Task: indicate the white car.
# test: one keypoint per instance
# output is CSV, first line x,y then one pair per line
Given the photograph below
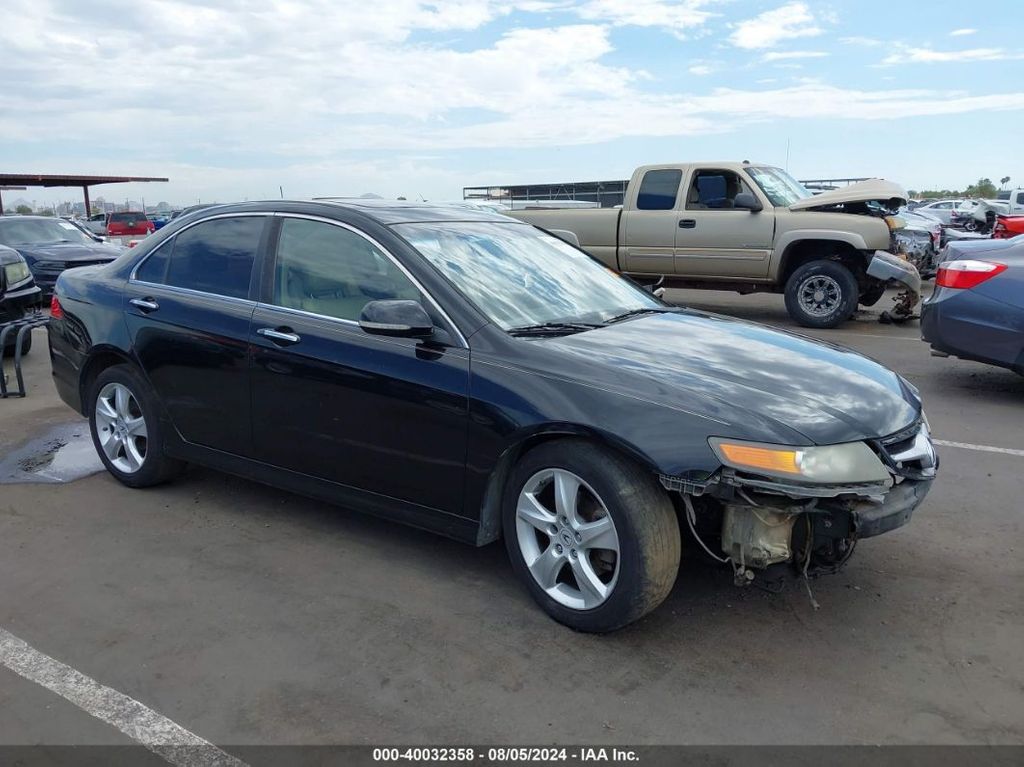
x,y
940,209
97,223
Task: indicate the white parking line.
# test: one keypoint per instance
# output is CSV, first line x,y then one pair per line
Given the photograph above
x,y
980,448
143,725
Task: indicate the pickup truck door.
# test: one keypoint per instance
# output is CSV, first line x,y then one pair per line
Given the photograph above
x,y
649,228
713,239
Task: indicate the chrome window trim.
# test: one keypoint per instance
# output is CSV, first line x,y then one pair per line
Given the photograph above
x,y
173,237
321,219
200,293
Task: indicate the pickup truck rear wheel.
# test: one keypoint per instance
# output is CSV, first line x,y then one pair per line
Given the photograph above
x,y
821,294
593,536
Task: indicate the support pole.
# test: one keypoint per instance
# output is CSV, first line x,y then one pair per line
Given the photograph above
x,y
85,192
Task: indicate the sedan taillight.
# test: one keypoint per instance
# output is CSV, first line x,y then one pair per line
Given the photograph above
x,y
967,274
56,310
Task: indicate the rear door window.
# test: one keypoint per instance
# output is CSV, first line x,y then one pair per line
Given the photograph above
x,y
215,256
658,189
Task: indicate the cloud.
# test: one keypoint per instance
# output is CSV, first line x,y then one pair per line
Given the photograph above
x,y
929,56
773,27
327,96
679,17
787,55
962,32
861,42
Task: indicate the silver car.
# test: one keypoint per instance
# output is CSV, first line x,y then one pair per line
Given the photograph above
x,y
940,209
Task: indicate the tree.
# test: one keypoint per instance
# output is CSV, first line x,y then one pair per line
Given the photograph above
x,y
1004,181
23,210
984,189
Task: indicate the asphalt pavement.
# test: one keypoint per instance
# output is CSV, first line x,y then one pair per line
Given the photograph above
x,y
246,615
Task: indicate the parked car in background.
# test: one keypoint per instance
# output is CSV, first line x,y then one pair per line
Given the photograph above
x,y
750,228
18,294
190,209
474,376
1007,227
979,215
920,239
97,223
940,209
81,226
51,245
129,224
976,311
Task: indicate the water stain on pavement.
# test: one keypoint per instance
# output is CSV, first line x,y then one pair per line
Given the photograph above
x,y
65,453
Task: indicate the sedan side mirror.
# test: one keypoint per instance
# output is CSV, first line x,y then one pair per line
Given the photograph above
x,y
407,319
747,201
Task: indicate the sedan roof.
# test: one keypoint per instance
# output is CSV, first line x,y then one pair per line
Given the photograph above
x,y
399,211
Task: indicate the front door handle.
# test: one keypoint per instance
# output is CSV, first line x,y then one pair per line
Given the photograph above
x,y
688,223
147,304
280,336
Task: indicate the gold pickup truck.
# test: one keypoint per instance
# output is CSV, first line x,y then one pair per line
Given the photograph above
x,y
749,228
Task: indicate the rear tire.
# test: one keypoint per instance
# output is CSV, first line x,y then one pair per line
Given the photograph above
x,y
821,294
636,518
126,429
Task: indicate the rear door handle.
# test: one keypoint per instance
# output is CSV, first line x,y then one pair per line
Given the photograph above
x,y
280,336
147,304
688,223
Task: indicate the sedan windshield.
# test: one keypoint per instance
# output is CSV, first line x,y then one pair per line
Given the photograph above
x,y
780,187
519,277
34,231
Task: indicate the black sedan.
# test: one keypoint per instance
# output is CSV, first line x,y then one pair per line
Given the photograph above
x,y
51,245
18,295
475,376
976,311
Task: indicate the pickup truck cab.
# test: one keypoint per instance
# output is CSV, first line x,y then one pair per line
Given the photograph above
x,y
749,228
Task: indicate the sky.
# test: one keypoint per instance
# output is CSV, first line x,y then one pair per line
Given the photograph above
x,y
241,99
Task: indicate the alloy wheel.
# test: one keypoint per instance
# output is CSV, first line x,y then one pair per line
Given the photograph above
x,y
121,427
819,295
567,538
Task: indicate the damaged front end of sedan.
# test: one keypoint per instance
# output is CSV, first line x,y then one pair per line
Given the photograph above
x,y
804,508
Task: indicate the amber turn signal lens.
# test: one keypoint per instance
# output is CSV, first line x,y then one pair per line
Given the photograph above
x,y
760,458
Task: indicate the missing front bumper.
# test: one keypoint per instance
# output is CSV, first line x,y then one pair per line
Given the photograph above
x,y
893,269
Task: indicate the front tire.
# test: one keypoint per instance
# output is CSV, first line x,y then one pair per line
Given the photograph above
x,y
821,294
593,537
126,429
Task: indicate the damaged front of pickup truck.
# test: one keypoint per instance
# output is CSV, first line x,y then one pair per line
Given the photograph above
x,y
899,265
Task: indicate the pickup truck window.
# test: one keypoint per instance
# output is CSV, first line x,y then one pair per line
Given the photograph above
x,y
779,187
714,190
519,276
658,190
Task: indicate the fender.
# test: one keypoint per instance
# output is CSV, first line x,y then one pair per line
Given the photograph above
x,y
788,239
489,529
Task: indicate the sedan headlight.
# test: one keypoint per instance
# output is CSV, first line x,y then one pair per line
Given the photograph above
x,y
849,463
16,272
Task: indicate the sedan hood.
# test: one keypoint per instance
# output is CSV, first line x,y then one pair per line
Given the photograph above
x,y
872,190
71,251
761,384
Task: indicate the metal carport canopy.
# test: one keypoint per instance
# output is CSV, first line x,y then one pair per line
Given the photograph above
x,y
52,180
